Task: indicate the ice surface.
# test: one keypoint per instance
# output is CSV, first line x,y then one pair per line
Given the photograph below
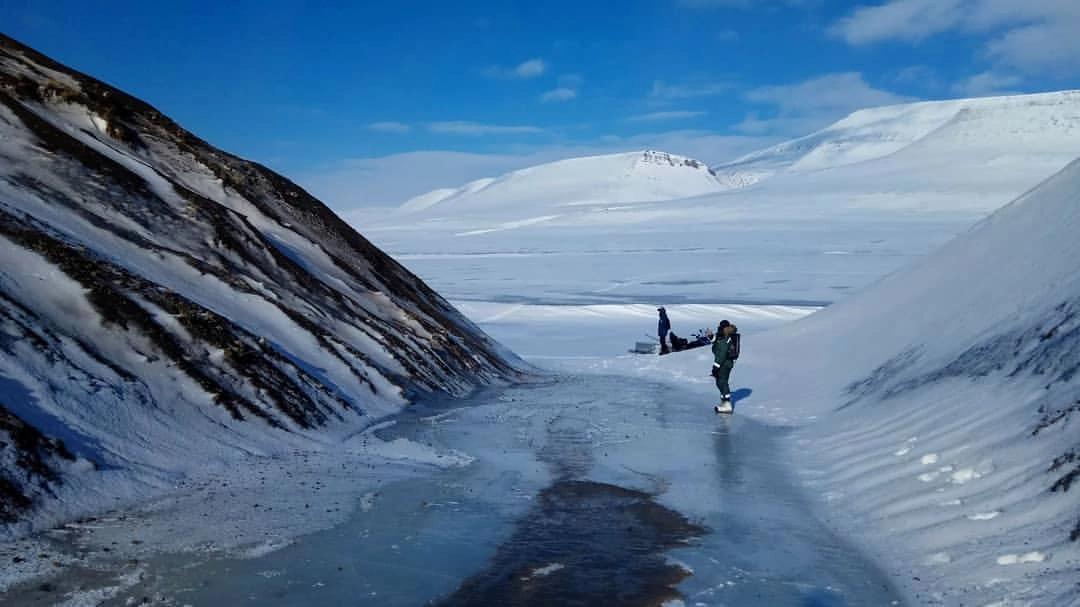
x,y
424,535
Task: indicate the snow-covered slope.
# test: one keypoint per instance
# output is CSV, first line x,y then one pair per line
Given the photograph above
x,y
165,306
936,413
949,400
990,131
594,180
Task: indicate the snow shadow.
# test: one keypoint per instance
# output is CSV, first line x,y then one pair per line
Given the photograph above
x,y
18,399
741,394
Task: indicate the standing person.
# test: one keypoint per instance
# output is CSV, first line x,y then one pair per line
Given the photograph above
x,y
725,349
662,328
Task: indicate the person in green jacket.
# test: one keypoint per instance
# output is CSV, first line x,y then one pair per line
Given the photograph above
x,y
723,363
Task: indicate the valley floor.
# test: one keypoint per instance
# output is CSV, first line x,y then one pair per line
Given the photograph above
x,y
762,506
589,489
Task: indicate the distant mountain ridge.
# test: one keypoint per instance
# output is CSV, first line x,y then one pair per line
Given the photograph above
x,y
971,152
642,176
987,127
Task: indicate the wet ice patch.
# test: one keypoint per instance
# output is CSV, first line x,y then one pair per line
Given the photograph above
x,y
938,558
264,548
404,449
544,571
1028,557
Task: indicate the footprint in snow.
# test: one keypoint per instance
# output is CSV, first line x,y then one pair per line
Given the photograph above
x,y
1028,557
902,451
965,475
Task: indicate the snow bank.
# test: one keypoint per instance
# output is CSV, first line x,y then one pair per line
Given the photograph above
x,y
937,412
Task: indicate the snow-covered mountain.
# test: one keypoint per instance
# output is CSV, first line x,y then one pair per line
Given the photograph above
x,y
166,306
644,176
930,139
963,157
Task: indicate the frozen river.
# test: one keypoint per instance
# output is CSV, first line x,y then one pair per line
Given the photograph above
x,y
582,491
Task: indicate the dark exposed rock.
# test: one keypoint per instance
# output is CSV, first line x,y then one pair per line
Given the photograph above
x,y
135,210
33,471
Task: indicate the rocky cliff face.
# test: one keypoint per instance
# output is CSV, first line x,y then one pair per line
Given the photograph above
x,y
163,299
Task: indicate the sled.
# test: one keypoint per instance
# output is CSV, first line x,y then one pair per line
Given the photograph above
x,y
645,347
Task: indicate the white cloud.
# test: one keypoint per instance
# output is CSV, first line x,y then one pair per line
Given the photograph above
x,y
663,116
389,126
783,126
530,68
558,94
1042,47
986,84
803,107
841,91
476,129
672,92
910,20
1035,36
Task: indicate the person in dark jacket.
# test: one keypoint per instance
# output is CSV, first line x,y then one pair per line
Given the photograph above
x,y
723,363
662,328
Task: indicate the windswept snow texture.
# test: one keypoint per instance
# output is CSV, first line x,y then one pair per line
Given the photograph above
x,y
166,307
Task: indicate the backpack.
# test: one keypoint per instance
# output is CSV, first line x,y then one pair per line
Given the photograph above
x,y
678,343
733,350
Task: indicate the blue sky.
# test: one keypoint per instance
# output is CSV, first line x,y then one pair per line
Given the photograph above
x,y
374,102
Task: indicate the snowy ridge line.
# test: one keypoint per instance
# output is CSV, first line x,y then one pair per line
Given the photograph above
x,y
167,308
641,176
881,132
